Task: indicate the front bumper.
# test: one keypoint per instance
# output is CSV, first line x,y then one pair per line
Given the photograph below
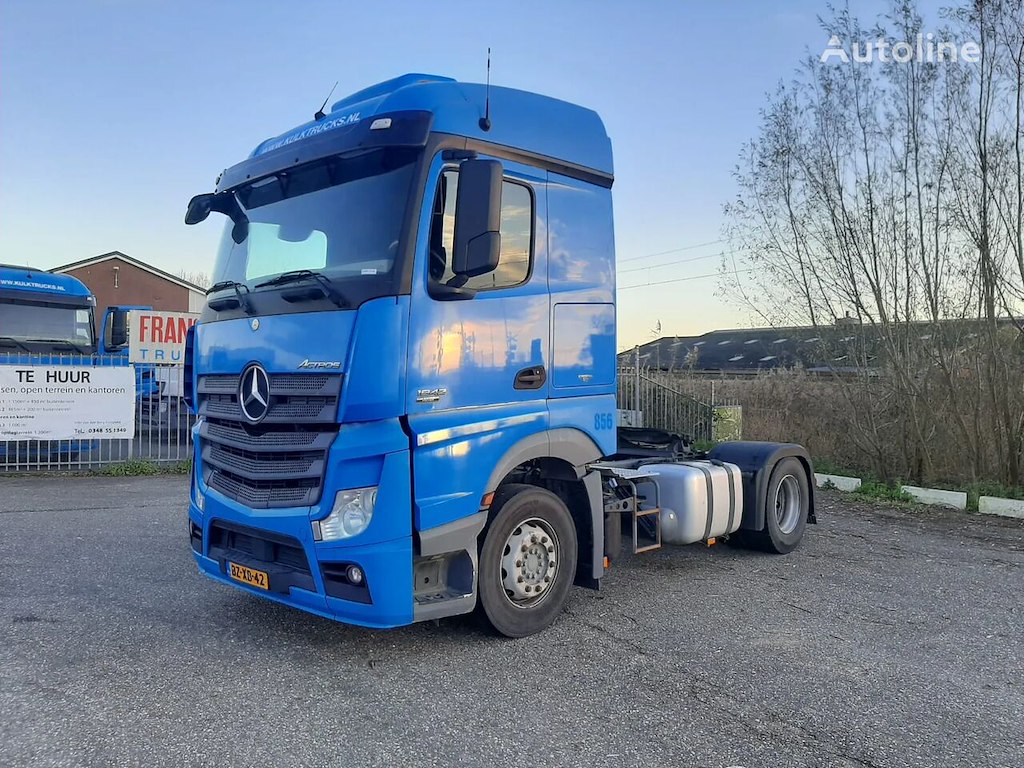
x,y
387,569
312,575
305,576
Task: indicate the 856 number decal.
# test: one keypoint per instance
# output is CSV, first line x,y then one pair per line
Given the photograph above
x,y
604,421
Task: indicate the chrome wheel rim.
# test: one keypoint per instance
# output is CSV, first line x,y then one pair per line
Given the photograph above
x,y
788,504
529,563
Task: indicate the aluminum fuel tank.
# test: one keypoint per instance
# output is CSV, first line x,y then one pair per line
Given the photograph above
x,y
699,500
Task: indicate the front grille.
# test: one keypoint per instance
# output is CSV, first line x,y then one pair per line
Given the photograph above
x,y
269,548
305,408
262,494
280,556
236,435
250,463
281,461
291,381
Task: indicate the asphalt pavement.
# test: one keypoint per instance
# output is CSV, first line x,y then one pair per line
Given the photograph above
x,y
892,637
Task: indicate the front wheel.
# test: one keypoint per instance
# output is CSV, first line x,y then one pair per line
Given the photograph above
x,y
528,560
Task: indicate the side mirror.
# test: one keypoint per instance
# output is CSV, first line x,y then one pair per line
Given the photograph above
x,y
477,242
199,208
118,328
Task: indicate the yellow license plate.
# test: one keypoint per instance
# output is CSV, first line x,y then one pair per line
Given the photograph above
x,y
249,576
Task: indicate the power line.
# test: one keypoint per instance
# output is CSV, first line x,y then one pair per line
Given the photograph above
x,y
684,279
672,250
673,263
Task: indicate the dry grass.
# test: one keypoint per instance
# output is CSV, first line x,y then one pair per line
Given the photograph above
x,y
864,425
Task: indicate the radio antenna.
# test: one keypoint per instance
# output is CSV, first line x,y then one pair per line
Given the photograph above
x,y
485,121
320,114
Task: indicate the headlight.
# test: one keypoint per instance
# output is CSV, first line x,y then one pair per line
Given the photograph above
x,y
197,495
350,515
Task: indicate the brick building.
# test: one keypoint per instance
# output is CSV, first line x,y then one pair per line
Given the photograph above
x,y
117,279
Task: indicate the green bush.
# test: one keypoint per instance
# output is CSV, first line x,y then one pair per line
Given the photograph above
x,y
876,490
140,467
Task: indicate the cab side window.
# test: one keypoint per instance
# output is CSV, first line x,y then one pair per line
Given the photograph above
x,y
516,235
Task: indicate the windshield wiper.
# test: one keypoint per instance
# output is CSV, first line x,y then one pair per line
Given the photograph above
x,y
229,302
15,342
326,287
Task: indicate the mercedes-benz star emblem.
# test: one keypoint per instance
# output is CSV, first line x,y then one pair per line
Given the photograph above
x,y
254,393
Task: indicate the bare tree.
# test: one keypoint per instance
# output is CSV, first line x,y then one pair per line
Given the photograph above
x,y
894,190
200,279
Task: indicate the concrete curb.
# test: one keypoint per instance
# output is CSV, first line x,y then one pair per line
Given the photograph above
x,y
993,505
954,499
841,482
987,505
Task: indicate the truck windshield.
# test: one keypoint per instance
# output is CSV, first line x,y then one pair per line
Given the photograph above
x,y
341,217
46,327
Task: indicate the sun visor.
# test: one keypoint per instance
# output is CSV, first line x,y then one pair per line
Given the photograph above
x,y
330,137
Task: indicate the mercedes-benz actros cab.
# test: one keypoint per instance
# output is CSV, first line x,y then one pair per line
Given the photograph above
x,y
405,373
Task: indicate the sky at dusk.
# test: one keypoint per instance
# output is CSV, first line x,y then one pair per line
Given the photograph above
x,y
113,114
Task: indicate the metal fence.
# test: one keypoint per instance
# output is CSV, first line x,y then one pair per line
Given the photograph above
x,y
162,422
672,402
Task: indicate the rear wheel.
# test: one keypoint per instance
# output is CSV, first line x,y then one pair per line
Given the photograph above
x,y
787,504
527,562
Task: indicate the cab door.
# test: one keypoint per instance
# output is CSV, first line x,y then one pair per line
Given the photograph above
x,y
477,367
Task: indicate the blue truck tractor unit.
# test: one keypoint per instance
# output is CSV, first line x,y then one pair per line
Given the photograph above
x,y
48,318
52,317
405,372
45,313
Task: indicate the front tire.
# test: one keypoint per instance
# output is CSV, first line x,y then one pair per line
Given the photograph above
x,y
527,562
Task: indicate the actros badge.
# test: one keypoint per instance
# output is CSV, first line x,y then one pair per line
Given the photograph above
x,y
321,365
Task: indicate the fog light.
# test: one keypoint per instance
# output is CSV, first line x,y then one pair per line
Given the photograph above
x,y
350,515
354,574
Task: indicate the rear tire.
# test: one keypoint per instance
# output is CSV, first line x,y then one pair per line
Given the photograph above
x,y
787,505
527,561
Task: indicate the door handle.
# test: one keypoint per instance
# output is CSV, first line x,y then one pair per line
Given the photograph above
x,y
533,377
